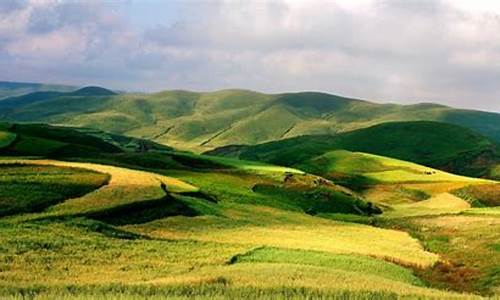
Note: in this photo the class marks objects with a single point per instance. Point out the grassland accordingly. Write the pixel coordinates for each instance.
(124, 187)
(438, 145)
(217, 253)
(203, 121)
(172, 224)
(31, 188)
(467, 244)
(376, 168)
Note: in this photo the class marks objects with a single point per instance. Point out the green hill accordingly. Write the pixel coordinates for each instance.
(92, 91)
(12, 89)
(76, 144)
(439, 145)
(100, 215)
(203, 121)
(176, 224)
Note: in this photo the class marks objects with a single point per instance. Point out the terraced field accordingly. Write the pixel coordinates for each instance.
(125, 186)
(229, 249)
(168, 224)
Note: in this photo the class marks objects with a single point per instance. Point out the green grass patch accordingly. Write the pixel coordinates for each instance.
(438, 244)
(351, 263)
(29, 188)
(6, 138)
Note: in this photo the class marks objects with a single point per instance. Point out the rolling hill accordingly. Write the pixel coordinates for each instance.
(439, 145)
(139, 222)
(85, 213)
(203, 121)
(13, 89)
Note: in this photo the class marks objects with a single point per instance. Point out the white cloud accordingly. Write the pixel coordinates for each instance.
(404, 51)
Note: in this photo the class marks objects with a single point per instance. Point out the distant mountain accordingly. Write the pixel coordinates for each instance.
(12, 89)
(203, 121)
(93, 91)
(444, 146)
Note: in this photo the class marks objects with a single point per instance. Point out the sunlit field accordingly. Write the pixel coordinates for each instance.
(84, 247)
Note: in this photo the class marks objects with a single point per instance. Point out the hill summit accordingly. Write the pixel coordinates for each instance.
(93, 91)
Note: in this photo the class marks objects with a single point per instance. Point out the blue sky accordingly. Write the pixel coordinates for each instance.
(403, 51)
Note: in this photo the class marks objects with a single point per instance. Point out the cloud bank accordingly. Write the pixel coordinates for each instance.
(397, 51)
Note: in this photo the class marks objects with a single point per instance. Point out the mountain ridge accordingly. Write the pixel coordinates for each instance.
(200, 121)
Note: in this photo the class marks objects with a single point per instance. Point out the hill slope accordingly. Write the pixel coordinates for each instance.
(12, 89)
(203, 121)
(444, 146)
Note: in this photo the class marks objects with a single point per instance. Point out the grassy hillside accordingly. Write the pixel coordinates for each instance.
(439, 145)
(115, 251)
(202, 121)
(120, 242)
(94, 146)
(171, 224)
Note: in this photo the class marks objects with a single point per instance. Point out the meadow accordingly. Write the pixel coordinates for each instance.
(201, 121)
(31, 188)
(144, 221)
(229, 248)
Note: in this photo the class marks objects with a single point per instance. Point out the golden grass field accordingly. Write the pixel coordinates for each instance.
(239, 251)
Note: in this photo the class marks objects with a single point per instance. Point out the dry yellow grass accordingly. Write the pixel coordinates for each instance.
(271, 275)
(443, 203)
(294, 231)
(459, 222)
(125, 186)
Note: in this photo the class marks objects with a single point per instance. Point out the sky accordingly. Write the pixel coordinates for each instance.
(404, 51)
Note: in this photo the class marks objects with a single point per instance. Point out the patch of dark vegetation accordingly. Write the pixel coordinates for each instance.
(351, 218)
(491, 278)
(413, 194)
(33, 188)
(103, 228)
(319, 200)
(145, 161)
(92, 91)
(355, 182)
(446, 274)
(202, 195)
(227, 151)
(316, 102)
(140, 212)
(64, 135)
(67, 142)
(197, 162)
